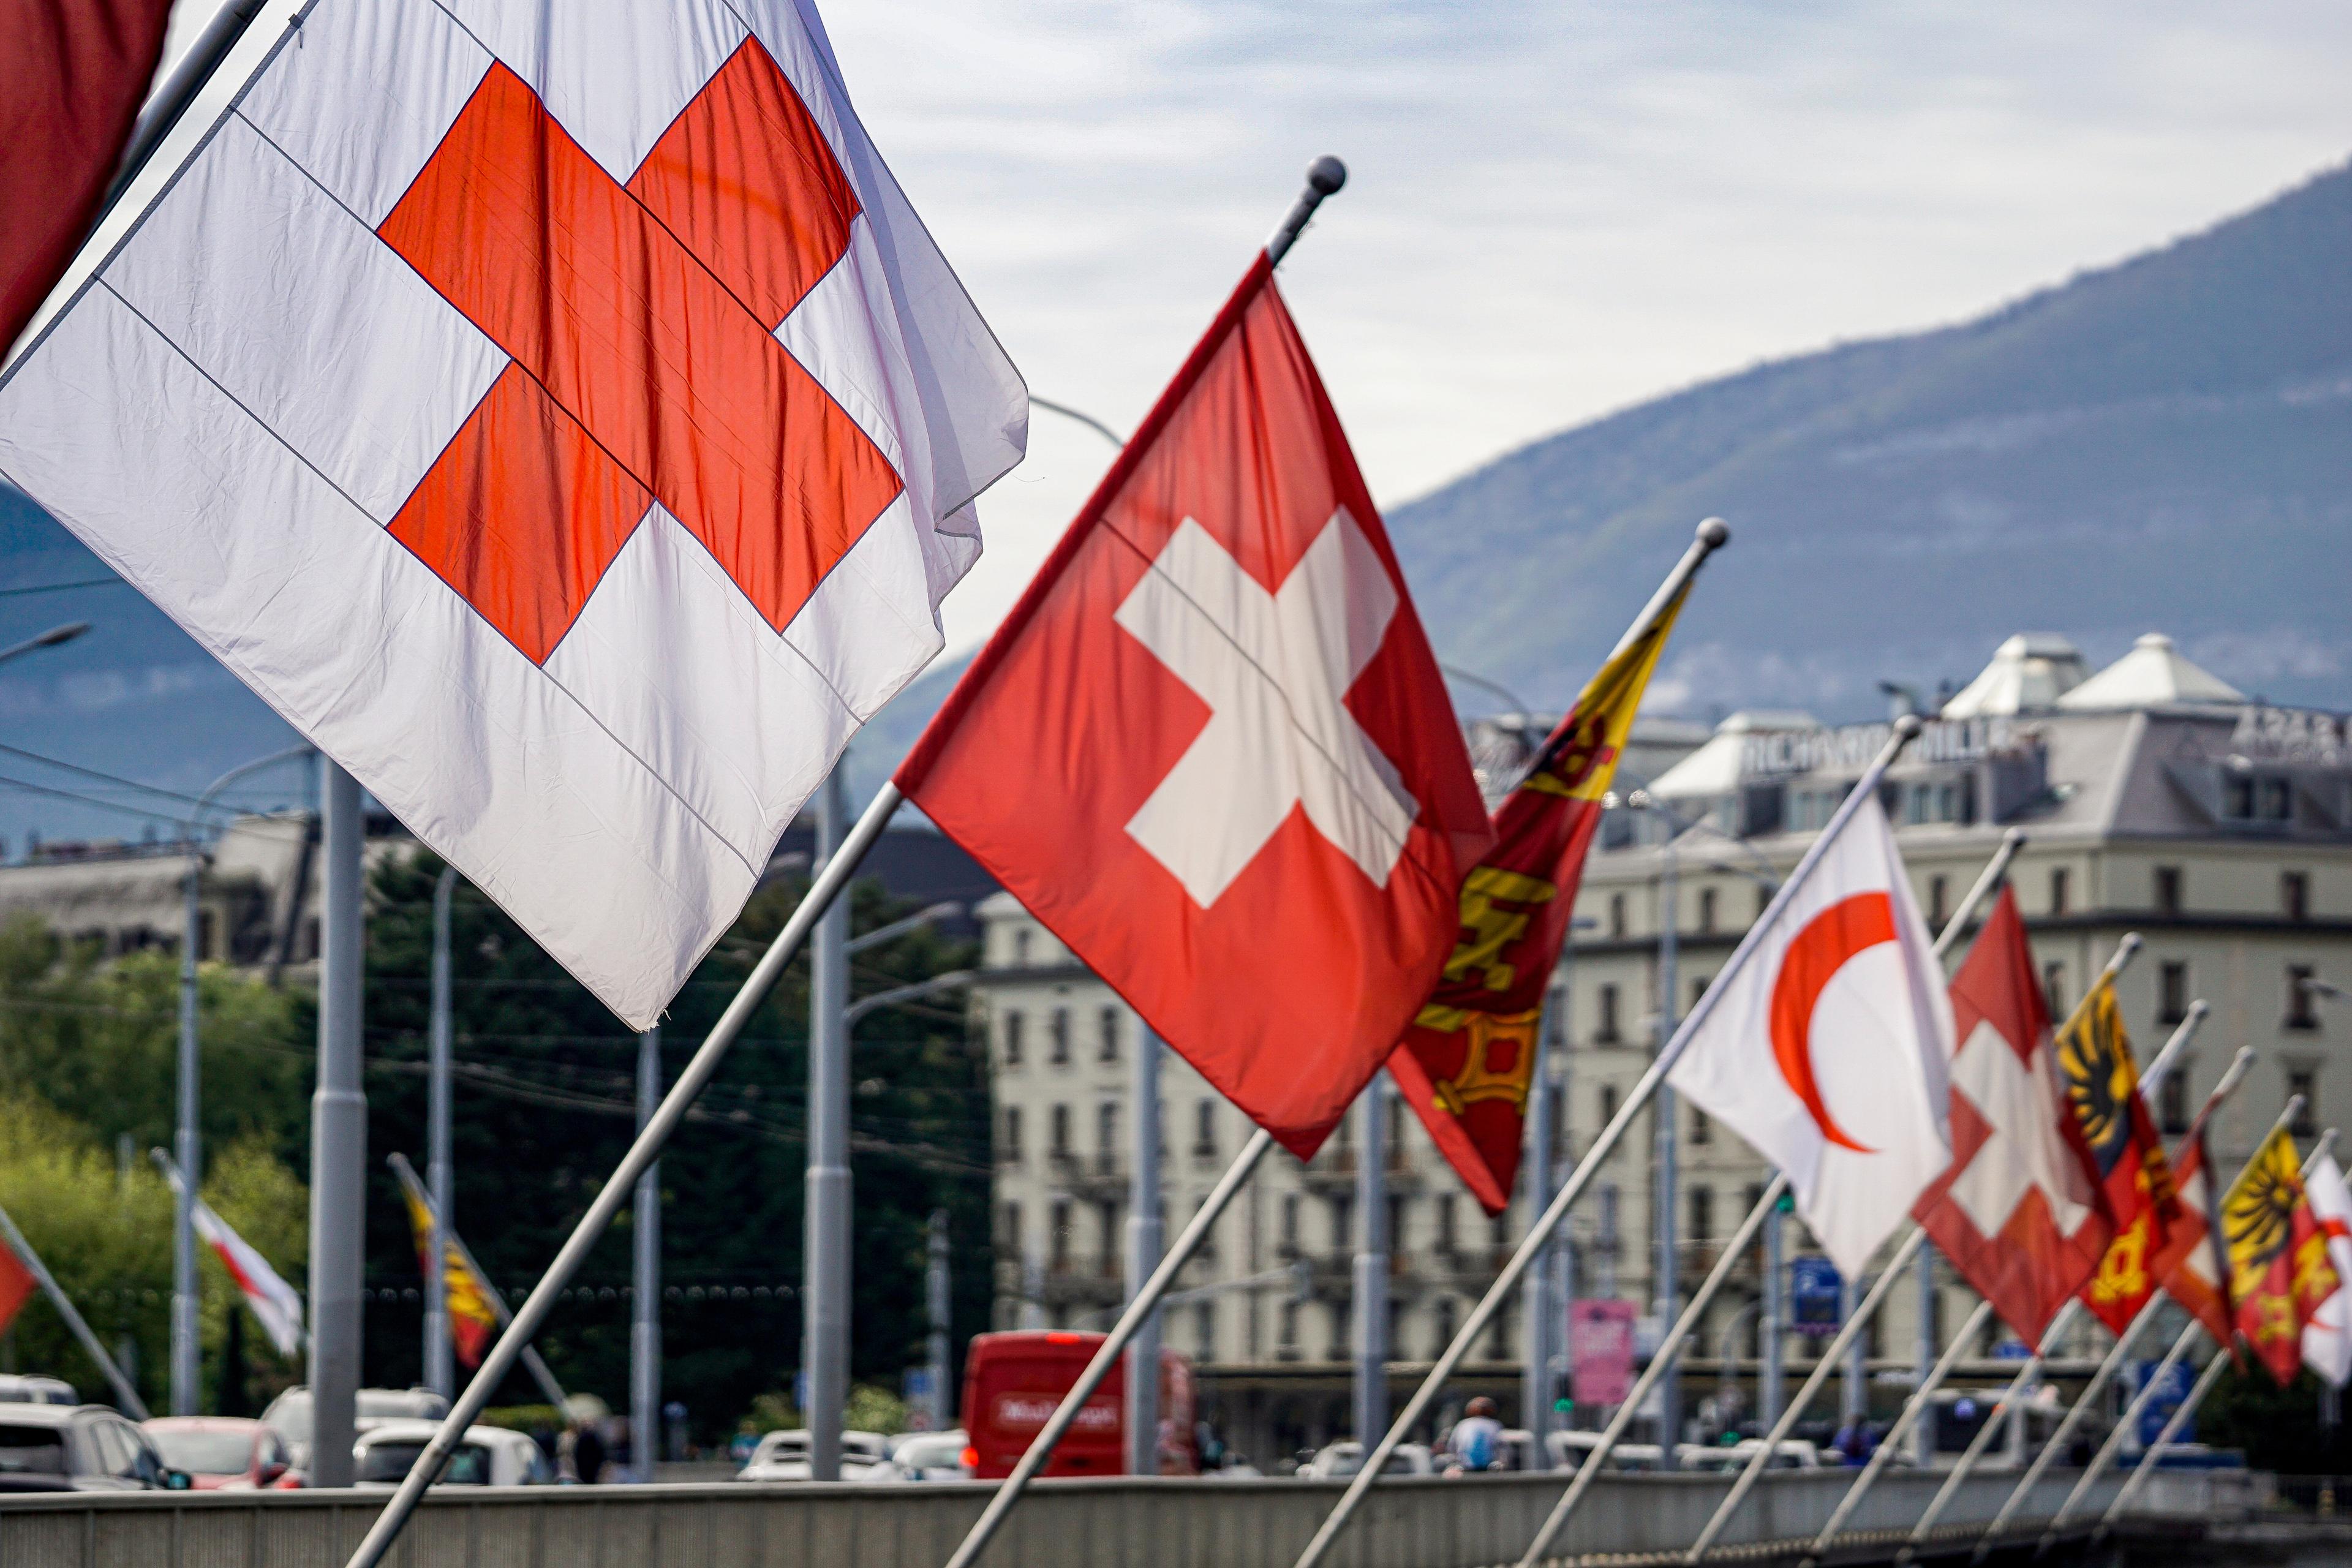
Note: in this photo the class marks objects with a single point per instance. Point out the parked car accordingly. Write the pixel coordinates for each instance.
(784, 1456)
(926, 1457)
(1337, 1461)
(484, 1456)
(224, 1453)
(79, 1448)
(290, 1414)
(1789, 1455)
(1569, 1451)
(31, 1388)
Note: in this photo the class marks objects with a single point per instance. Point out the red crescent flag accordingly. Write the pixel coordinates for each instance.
(1830, 1051)
(2018, 1212)
(1210, 748)
(1466, 1062)
(71, 78)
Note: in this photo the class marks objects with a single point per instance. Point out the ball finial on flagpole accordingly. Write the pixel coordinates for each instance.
(1715, 533)
(1909, 726)
(1327, 174)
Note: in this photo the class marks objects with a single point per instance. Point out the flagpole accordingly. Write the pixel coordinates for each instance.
(2138, 1406)
(1917, 1406)
(1324, 177)
(64, 1304)
(1138, 1307)
(2106, 1369)
(440, 1369)
(2220, 1362)
(1593, 1462)
(644, 1316)
(1824, 1366)
(1540, 1233)
(531, 1362)
(2065, 1319)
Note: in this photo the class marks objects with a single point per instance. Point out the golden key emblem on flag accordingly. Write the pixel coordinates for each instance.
(1479, 1079)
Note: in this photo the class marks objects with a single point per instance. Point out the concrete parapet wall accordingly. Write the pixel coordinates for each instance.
(1413, 1522)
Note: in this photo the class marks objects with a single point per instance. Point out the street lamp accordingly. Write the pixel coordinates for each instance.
(946, 910)
(50, 638)
(1089, 420)
(954, 979)
(185, 1147)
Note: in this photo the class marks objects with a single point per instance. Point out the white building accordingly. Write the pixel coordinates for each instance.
(2158, 800)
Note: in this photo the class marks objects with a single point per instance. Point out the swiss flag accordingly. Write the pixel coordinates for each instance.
(1210, 748)
(2019, 1211)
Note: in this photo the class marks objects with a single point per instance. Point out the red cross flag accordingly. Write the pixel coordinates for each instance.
(1830, 1051)
(559, 415)
(1210, 748)
(2195, 1269)
(2327, 1333)
(2019, 1212)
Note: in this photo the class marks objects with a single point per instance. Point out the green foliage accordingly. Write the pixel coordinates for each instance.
(545, 1107)
(105, 1232)
(872, 1409)
(773, 1412)
(523, 1418)
(2277, 1428)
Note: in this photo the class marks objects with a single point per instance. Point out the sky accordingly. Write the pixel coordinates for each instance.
(1553, 211)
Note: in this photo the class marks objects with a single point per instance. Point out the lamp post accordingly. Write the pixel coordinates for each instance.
(440, 1368)
(187, 1144)
(50, 638)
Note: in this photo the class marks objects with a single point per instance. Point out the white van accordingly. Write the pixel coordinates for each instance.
(484, 1456)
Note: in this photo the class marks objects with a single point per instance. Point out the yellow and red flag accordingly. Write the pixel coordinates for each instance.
(2279, 1272)
(2136, 1184)
(1466, 1060)
(2195, 1269)
(472, 1320)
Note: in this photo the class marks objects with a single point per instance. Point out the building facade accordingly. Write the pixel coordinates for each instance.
(2157, 799)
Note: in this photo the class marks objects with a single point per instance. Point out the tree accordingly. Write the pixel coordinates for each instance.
(545, 1108)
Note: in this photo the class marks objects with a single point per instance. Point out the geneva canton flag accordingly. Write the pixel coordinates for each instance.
(557, 413)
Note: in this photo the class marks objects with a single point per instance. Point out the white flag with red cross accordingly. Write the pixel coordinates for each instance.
(558, 414)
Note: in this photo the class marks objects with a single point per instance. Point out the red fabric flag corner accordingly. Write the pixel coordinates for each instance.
(71, 79)
(1210, 748)
(17, 1286)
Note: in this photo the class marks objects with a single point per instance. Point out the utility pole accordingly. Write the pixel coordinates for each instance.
(440, 1179)
(1372, 1263)
(1146, 1240)
(824, 1294)
(936, 1300)
(1667, 1283)
(337, 1142)
(1923, 1430)
(1771, 1326)
(1535, 1377)
(645, 1320)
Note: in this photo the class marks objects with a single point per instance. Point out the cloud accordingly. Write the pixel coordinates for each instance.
(1554, 210)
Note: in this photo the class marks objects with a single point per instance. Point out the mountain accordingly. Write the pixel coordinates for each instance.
(2163, 444)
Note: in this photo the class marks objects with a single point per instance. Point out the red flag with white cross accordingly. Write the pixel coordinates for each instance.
(557, 413)
(1210, 749)
(2018, 1212)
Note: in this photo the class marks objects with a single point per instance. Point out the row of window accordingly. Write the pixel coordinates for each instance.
(1059, 1047)
(1010, 1147)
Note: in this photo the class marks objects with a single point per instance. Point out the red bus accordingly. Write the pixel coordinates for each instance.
(1013, 1381)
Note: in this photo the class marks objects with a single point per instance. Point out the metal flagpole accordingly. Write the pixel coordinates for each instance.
(824, 1253)
(2065, 1316)
(2148, 1390)
(1848, 1335)
(1596, 1460)
(1372, 1262)
(1540, 1233)
(1934, 1379)
(1666, 1286)
(187, 1143)
(531, 1362)
(1324, 177)
(1923, 1358)
(2088, 1399)
(2146, 1468)
(64, 1304)
(1769, 1321)
(1130, 1318)
(1763, 1213)
(338, 1145)
(1537, 1305)
(1146, 1235)
(645, 1318)
(440, 1361)
(936, 1306)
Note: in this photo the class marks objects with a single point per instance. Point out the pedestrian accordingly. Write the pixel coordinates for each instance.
(1477, 1438)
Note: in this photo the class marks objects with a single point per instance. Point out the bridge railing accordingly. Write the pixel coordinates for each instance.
(1116, 1522)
